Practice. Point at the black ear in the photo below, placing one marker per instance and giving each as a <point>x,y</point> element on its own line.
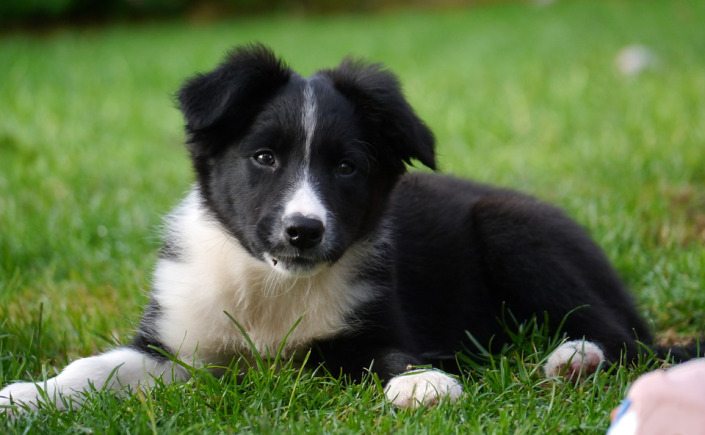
<point>378,97</point>
<point>219,105</point>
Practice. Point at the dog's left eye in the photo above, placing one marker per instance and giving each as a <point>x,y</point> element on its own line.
<point>345,168</point>
<point>265,158</point>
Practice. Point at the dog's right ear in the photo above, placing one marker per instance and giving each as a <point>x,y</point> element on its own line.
<point>378,97</point>
<point>220,105</point>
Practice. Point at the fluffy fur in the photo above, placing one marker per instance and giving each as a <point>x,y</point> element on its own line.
<point>304,229</point>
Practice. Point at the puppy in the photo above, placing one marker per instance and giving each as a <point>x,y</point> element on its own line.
<point>304,233</point>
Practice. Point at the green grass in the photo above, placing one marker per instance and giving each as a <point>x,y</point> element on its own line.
<point>522,96</point>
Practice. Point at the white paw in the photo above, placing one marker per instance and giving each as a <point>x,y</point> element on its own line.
<point>25,394</point>
<point>121,370</point>
<point>421,388</point>
<point>574,360</point>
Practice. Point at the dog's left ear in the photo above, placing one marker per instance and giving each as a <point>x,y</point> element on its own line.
<point>378,98</point>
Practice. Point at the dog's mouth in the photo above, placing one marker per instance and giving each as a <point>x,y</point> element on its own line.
<point>298,261</point>
<point>302,265</point>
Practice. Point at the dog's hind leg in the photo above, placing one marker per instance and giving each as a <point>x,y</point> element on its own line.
<point>121,368</point>
<point>539,263</point>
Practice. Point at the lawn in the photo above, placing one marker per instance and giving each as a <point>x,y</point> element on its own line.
<point>518,95</point>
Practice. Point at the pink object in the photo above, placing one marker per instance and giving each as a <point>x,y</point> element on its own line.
<point>664,402</point>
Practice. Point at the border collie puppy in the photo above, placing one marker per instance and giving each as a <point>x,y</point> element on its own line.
<point>304,231</point>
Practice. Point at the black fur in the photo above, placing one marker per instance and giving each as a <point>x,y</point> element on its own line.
<point>147,339</point>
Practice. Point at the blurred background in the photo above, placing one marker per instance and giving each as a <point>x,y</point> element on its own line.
<point>43,12</point>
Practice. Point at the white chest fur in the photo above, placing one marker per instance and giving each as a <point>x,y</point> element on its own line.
<point>216,275</point>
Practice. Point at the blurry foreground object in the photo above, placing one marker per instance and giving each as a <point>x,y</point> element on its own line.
<point>664,402</point>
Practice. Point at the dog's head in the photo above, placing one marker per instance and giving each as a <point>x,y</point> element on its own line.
<point>299,169</point>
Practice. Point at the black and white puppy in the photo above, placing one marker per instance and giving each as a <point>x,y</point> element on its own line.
<point>302,212</point>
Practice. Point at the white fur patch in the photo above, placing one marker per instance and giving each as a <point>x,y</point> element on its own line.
<point>218,275</point>
<point>306,202</point>
<point>574,358</point>
<point>422,388</point>
<point>304,198</point>
<point>308,118</point>
<point>119,368</point>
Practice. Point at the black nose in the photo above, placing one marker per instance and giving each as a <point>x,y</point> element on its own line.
<point>303,232</point>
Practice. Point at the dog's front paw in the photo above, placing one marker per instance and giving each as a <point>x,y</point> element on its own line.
<point>19,397</point>
<point>422,388</point>
<point>574,360</point>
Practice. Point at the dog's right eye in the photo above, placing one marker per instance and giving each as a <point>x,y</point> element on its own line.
<point>265,158</point>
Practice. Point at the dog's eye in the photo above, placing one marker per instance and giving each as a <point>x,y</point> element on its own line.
<point>265,158</point>
<point>345,168</point>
